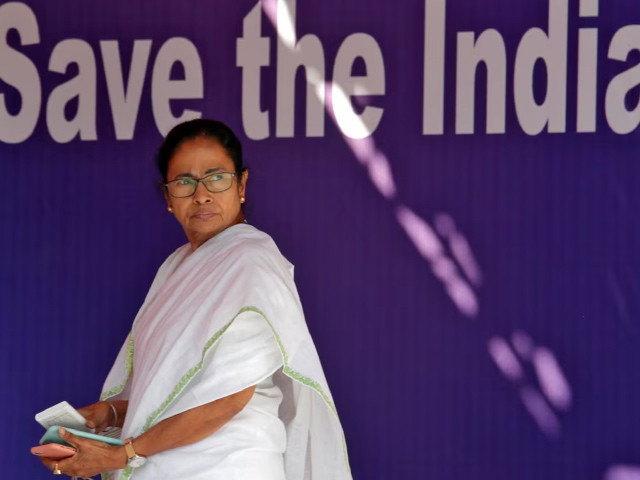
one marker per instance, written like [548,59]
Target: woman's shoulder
[176,257]
[246,237]
[258,243]
[242,244]
[254,245]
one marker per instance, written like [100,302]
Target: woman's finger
[68,437]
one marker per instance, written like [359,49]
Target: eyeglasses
[186,186]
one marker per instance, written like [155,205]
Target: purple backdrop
[469,267]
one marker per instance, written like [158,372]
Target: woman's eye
[216,177]
[183,182]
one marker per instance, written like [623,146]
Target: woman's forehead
[199,155]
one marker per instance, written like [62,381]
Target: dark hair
[200,127]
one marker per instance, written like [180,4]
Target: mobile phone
[52,436]
[55,451]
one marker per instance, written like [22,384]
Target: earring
[169,208]
[241,199]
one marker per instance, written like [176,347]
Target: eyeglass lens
[186,186]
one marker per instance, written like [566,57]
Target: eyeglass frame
[200,180]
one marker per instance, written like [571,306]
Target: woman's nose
[201,195]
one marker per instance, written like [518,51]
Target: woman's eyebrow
[206,172]
[213,170]
[182,175]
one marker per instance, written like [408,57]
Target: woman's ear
[167,198]
[242,186]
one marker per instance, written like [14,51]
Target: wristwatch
[133,459]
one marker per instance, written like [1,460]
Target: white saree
[207,329]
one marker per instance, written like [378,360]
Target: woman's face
[205,214]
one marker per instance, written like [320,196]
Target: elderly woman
[218,378]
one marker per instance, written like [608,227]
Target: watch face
[137,461]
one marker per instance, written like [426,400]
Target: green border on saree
[128,368]
[190,374]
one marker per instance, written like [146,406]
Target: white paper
[62,415]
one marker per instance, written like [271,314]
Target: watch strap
[133,459]
[128,448]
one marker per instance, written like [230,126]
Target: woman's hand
[98,415]
[105,414]
[91,458]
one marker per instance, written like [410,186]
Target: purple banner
[455,182]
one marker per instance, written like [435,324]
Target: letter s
[19,72]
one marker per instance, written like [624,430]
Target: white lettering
[358,45]
[433,68]
[588,8]
[19,72]
[252,53]
[164,89]
[82,86]
[587,70]
[552,50]
[308,53]
[489,49]
[587,79]
[621,120]
[125,102]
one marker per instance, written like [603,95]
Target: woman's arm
[188,427]
[193,425]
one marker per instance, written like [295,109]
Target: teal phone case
[51,436]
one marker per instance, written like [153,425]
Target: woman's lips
[202,215]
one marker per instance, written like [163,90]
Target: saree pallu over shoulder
[193,300]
